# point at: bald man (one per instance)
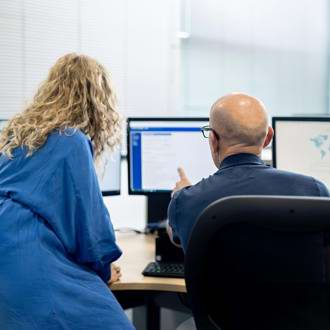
(237, 133)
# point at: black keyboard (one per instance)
(162, 269)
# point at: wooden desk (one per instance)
(138, 251)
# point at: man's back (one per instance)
(255, 255)
(241, 174)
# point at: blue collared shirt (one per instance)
(240, 174)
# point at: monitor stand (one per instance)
(157, 216)
(157, 205)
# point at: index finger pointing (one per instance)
(182, 173)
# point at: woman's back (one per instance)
(56, 240)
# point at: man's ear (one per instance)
(269, 137)
(214, 143)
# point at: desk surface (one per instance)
(138, 251)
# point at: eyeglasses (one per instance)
(206, 132)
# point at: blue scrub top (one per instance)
(56, 240)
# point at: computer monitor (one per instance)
(158, 146)
(107, 169)
(302, 145)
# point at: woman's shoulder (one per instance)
(70, 135)
(71, 138)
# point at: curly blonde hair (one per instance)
(77, 94)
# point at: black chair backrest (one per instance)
(259, 262)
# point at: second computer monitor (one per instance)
(108, 170)
(302, 145)
(157, 147)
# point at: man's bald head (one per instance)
(240, 120)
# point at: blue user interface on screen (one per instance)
(157, 149)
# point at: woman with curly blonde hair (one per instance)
(57, 242)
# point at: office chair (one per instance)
(260, 263)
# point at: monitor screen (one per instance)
(302, 145)
(107, 169)
(157, 147)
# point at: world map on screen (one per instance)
(322, 143)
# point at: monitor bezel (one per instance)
(110, 192)
(152, 119)
(275, 119)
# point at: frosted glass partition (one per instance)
(276, 50)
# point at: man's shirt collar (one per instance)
(240, 159)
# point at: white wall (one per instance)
(275, 50)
